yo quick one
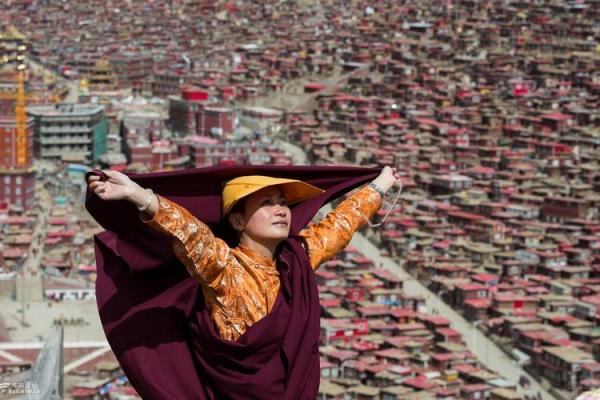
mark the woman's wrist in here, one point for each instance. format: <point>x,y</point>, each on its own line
<point>138,196</point>
<point>377,188</point>
<point>383,184</point>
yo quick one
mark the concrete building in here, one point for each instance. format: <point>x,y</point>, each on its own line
<point>70,132</point>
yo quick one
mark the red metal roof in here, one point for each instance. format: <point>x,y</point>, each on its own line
<point>438,320</point>
<point>468,287</point>
<point>478,303</point>
<point>448,332</point>
<point>557,116</point>
<point>419,383</point>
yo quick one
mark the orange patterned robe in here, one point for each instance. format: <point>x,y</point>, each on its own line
<point>239,284</point>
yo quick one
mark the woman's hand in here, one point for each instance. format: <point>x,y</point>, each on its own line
<point>388,178</point>
<point>117,187</point>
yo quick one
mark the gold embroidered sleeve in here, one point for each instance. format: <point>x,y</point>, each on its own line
<point>205,256</point>
<point>333,233</point>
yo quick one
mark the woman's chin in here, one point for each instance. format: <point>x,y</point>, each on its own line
<point>279,238</point>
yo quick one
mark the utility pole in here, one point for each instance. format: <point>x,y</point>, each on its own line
<point>23,291</point>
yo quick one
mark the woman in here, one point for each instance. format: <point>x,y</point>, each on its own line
<point>243,285</point>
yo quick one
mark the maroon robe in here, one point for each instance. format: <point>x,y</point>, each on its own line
<point>153,312</point>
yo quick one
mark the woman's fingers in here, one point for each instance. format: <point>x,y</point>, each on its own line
<point>99,188</point>
<point>94,185</point>
<point>97,184</point>
<point>398,184</point>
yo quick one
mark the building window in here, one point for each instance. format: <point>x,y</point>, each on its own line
<point>6,179</point>
<point>19,180</point>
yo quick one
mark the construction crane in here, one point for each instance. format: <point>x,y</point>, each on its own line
<point>20,105</point>
<point>20,112</point>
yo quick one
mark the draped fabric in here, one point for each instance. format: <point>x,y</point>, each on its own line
<point>153,312</point>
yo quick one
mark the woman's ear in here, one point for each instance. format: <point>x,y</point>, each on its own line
<point>236,221</point>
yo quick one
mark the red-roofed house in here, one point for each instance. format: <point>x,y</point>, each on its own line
<point>329,369</point>
<point>374,312</point>
<point>476,309</point>
<point>393,356</point>
<point>506,303</point>
<point>448,335</point>
<point>435,322</point>
<point>364,348</point>
<point>475,391</point>
<point>486,279</point>
<point>402,315</point>
<point>340,356</point>
<point>563,365</point>
<point>442,361</point>
<point>557,208</point>
<point>531,342</point>
<point>327,278</point>
<point>469,291</point>
<point>419,383</point>
<point>588,307</point>
<point>390,280</point>
<point>555,122</point>
<point>355,369</point>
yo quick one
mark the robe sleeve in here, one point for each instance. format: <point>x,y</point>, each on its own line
<point>333,233</point>
<point>205,256</point>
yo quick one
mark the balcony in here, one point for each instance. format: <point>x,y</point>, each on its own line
<point>64,151</point>
<point>53,140</point>
<point>64,129</point>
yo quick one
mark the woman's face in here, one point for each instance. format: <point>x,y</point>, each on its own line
<point>267,216</point>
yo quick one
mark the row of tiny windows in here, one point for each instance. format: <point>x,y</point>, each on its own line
<point>7,190</point>
<point>18,179</point>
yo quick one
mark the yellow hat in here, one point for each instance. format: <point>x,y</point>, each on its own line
<point>238,188</point>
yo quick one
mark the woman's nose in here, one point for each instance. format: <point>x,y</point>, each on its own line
<point>280,210</point>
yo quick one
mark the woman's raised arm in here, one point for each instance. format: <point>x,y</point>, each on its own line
<point>204,255</point>
<point>118,186</point>
<point>332,234</point>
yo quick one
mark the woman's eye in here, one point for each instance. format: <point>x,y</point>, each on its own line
<point>282,202</point>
